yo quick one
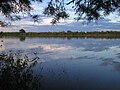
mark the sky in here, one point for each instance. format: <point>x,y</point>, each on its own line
<point>111,22</point>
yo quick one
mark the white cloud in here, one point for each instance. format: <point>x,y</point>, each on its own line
<point>45,26</point>
<point>113,18</point>
<point>112,22</point>
<point>51,47</point>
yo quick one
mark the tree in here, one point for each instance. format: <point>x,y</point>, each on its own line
<point>85,9</point>
<point>16,72</point>
<point>22,31</point>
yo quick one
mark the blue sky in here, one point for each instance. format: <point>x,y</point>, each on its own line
<point>111,22</point>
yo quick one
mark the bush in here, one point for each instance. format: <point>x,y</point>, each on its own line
<point>16,72</point>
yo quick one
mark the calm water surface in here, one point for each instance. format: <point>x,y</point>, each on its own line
<point>72,64</point>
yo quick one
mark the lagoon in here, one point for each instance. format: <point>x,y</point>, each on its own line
<point>71,64</point>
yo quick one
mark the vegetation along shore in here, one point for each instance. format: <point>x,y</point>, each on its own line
<point>68,34</point>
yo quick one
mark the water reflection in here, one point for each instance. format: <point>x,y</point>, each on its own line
<point>16,73</point>
<point>22,38</point>
<point>75,64</point>
<point>111,62</point>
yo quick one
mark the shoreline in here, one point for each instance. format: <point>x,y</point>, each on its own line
<point>68,34</point>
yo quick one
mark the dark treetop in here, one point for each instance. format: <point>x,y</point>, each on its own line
<point>84,9</point>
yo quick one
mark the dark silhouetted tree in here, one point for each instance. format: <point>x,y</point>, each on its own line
<point>85,9</point>
<point>16,73</point>
<point>22,31</point>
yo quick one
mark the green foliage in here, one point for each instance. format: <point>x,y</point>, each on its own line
<point>8,7</point>
<point>68,34</point>
<point>94,9</point>
<point>84,9</point>
<point>57,9</point>
<point>16,72</point>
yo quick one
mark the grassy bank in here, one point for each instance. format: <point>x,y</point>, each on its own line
<point>68,34</point>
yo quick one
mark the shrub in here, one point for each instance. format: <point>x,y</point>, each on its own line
<point>16,72</point>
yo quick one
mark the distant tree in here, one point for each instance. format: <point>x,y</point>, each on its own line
<point>69,31</point>
<point>85,9</point>
<point>22,31</point>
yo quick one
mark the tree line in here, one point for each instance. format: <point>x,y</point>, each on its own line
<point>68,34</point>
